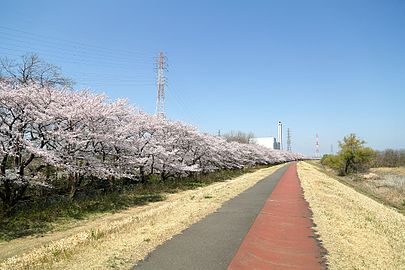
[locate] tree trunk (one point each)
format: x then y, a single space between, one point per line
347 165
142 174
75 181
163 176
11 196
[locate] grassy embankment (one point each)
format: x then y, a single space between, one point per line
41 216
385 185
358 232
118 240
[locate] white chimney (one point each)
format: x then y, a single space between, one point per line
280 135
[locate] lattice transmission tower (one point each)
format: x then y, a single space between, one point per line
317 154
161 67
288 140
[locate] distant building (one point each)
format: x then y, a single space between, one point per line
269 142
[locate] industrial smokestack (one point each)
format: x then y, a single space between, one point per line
280 135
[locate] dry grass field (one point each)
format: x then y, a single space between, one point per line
384 184
386 170
118 241
388 183
357 231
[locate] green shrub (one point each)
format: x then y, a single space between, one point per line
352 157
334 162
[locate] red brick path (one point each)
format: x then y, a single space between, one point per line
281 236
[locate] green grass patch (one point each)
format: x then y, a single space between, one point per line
40 216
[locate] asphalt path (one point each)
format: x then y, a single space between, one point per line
282 236
213 242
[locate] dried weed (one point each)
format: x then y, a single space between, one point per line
357 231
118 241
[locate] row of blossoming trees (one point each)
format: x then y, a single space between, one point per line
82 135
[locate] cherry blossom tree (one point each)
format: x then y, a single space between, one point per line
24 126
84 135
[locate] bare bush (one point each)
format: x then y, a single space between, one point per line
32 69
394 181
390 158
239 136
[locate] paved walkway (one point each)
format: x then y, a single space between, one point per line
243 234
281 237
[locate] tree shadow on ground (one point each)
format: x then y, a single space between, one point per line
38 218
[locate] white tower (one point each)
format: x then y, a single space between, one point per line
280 135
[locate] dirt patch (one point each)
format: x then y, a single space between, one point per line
118 241
357 231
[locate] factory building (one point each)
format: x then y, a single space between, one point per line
271 142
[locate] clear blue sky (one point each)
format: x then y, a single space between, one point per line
332 67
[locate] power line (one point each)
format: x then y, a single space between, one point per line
76 59
182 104
56 40
23 44
115 83
80 53
83 54
100 78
